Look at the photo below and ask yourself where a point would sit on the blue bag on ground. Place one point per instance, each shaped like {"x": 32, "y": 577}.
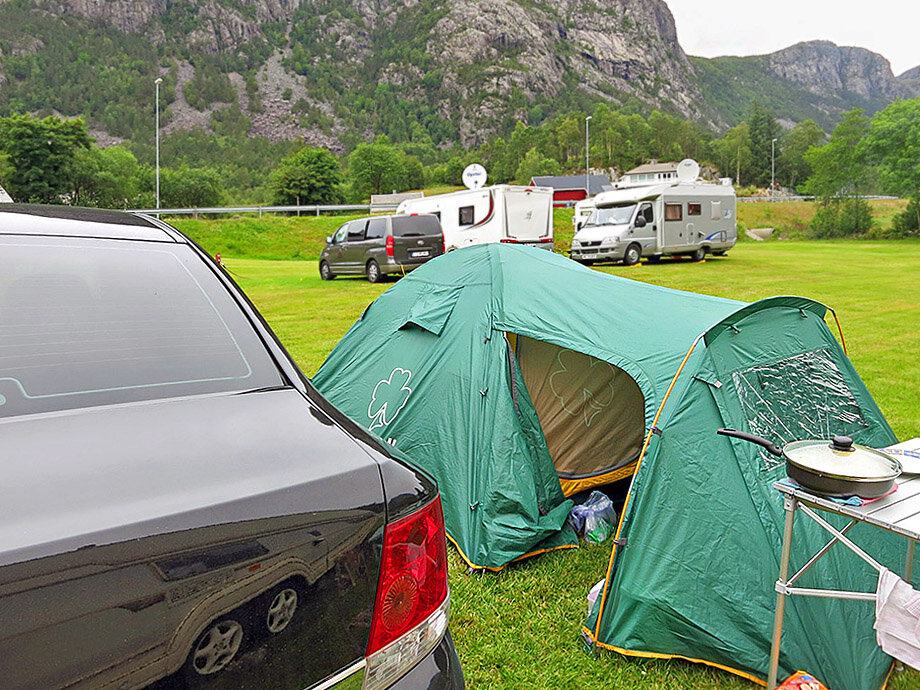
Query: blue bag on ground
{"x": 595, "y": 518}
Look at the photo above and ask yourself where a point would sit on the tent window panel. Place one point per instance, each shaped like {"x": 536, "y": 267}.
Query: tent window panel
{"x": 592, "y": 413}
{"x": 673, "y": 212}
{"x": 801, "y": 397}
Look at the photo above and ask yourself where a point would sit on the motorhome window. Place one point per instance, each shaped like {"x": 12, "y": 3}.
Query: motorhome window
{"x": 613, "y": 215}
{"x": 466, "y": 215}
{"x": 673, "y": 212}
{"x": 716, "y": 210}
{"x": 694, "y": 208}
{"x": 416, "y": 225}
{"x": 376, "y": 228}
{"x": 356, "y": 230}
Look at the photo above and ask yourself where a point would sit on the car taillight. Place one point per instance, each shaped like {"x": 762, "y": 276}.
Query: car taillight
{"x": 391, "y": 244}
{"x": 411, "y": 610}
{"x": 443, "y": 244}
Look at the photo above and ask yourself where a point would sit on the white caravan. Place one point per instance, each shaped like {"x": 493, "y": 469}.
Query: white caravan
{"x": 661, "y": 220}
{"x": 583, "y": 211}
{"x": 500, "y": 213}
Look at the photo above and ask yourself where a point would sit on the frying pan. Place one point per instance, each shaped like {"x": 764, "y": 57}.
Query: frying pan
{"x": 832, "y": 468}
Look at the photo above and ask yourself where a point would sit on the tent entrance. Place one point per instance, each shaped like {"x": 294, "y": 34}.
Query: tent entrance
{"x": 592, "y": 413}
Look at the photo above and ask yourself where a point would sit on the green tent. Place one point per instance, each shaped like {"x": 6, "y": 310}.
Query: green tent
{"x": 517, "y": 377}
{"x": 693, "y": 573}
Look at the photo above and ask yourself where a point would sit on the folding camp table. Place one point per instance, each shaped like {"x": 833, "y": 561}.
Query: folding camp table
{"x": 898, "y": 513}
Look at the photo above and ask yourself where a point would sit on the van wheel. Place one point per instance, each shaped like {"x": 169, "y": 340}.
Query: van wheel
{"x": 281, "y": 607}
{"x": 216, "y": 647}
{"x": 632, "y": 255}
{"x": 325, "y": 272}
{"x": 373, "y": 272}
{"x": 699, "y": 254}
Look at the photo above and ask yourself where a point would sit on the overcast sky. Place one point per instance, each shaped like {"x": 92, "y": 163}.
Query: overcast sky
{"x": 711, "y": 28}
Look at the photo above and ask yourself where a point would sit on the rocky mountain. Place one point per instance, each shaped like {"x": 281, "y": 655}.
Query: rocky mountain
{"x": 910, "y": 80}
{"x": 816, "y": 79}
{"x": 334, "y": 72}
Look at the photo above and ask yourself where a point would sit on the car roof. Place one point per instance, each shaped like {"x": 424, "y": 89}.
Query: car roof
{"x": 73, "y": 221}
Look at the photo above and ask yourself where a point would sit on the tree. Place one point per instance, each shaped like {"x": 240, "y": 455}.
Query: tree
{"x": 187, "y": 187}
{"x": 534, "y": 164}
{"x": 375, "y": 168}
{"x": 108, "y": 178}
{"x": 40, "y": 154}
{"x": 790, "y": 164}
{"x": 732, "y": 152}
{"x": 893, "y": 141}
{"x": 762, "y": 130}
{"x": 839, "y": 167}
{"x": 309, "y": 176}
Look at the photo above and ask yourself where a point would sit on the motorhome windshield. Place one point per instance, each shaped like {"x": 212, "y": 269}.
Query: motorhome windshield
{"x": 613, "y": 215}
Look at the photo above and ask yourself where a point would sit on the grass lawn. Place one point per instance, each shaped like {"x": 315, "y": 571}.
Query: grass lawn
{"x": 520, "y": 628}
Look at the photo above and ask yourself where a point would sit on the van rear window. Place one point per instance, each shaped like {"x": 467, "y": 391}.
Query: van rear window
{"x": 416, "y": 225}
{"x": 97, "y": 322}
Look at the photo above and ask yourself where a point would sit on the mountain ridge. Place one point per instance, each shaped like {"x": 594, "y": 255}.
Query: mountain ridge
{"x": 336, "y": 72}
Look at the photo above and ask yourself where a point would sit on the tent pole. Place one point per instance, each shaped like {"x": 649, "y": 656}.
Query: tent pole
{"x": 648, "y": 438}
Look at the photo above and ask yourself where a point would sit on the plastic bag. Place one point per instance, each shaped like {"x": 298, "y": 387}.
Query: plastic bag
{"x": 802, "y": 681}
{"x": 595, "y": 518}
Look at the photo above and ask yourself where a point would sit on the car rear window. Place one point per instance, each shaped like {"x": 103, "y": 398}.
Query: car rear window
{"x": 97, "y": 322}
{"x": 416, "y": 225}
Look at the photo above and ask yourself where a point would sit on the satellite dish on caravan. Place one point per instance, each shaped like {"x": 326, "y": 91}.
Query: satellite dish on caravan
{"x": 688, "y": 170}
{"x": 474, "y": 176}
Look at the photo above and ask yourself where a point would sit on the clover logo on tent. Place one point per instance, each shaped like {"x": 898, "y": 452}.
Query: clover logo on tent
{"x": 389, "y": 397}
{"x": 589, "y": 399}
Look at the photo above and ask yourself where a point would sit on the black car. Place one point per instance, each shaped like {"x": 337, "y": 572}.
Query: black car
{"x": 382, "y": 245}
{"x": 179, "y": 507}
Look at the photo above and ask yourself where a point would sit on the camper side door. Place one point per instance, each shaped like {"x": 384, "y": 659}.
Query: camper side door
{"x": 674, "y": 231}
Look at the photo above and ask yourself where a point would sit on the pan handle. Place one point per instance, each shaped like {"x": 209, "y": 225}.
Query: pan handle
{"x": 744, "y": 436}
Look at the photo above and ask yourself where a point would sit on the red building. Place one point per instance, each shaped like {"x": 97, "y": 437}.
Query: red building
{"x": 567, "y": 189}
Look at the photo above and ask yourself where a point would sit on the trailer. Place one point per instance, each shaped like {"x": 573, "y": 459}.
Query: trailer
{"x": 685, "y": 218}
{"x": 501, "y": 213}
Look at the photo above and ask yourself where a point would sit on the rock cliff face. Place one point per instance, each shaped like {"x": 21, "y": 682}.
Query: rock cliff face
{"x": 826, "y": 69}
{"x": 322, "y": 70}
{"x": 910, "y": 80}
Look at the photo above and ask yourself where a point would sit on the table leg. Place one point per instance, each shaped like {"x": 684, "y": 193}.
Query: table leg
{"x": 790, "y": 504}
{"x": 909, "y": 566}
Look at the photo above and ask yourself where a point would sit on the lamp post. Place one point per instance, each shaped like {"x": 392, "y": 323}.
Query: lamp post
{"x": 157, "y": 82}
{"x": 587, "y": 155}
{"x": 772, "y": 166}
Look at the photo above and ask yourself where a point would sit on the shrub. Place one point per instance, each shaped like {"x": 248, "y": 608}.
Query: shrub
{"x": 907, "y": 223}
{"x": 841, "y": 219}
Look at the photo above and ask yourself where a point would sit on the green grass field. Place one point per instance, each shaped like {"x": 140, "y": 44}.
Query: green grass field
{"x": 520, "y": 628}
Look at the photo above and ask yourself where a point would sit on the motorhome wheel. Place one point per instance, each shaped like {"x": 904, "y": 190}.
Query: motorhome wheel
{"x": 632, "y": 255}
{"x": 699, "y": 254}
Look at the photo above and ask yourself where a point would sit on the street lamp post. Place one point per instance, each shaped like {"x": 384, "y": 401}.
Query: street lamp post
{"x": 587, "y": 155}
{"x": 772, "y": 166}
{"x": 158, "y": 81}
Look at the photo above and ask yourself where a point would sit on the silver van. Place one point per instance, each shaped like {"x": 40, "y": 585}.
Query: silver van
{"x": 381, "y": 245}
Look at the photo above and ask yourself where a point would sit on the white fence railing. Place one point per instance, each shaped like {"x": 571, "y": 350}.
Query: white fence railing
{"x": 298, "y": 210}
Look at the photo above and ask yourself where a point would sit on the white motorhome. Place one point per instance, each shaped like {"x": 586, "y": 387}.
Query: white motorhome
{"x": 500, "y": 213}
{"x": 687, "y": 218}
